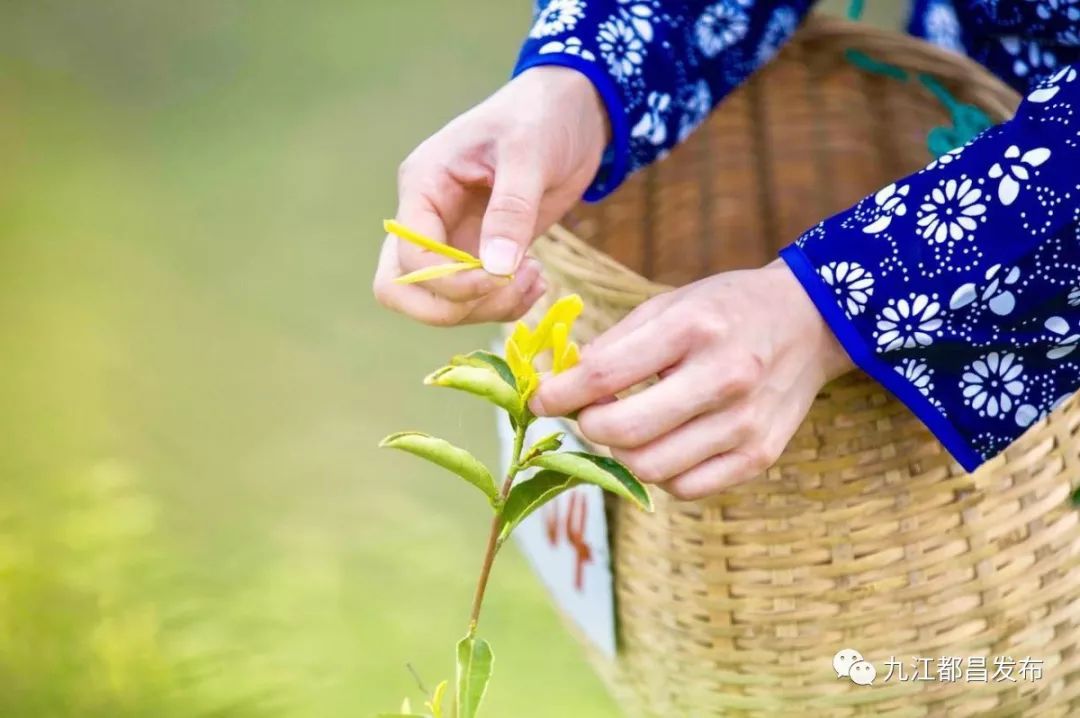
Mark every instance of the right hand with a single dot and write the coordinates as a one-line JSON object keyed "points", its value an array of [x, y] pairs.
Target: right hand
{"points": [[488, 183]]}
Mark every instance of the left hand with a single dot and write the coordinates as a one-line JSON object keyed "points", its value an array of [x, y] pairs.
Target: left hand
{"points": [[740, 356]]}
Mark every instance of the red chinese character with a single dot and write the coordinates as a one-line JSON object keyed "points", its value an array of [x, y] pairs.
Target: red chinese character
{"points": [[575, 533]]}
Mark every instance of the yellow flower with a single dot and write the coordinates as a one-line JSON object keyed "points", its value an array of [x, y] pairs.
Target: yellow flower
{"points": [[553, 332], [564, 311], [462, 259]]}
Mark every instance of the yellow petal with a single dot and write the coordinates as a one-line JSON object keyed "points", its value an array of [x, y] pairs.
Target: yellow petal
{"points": [[567, 359], [515, 360], [439, 270], [565, 310], [522, 336], [406, 706], [396, 228], [559, 336]]}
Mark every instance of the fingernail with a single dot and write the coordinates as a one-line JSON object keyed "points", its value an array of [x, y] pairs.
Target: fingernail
{"points": [[499, 255]]}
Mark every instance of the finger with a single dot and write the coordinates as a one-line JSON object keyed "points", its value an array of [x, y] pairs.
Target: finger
{"points": [[608, 370], [502, 304], [412, 300], [417, 212], [509, 225], [640, 314], [713, 476], [690, 390], [687, 446], [531, 297]]}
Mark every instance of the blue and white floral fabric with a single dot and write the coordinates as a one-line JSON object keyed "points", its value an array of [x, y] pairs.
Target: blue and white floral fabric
{"points": [[957, 288]]}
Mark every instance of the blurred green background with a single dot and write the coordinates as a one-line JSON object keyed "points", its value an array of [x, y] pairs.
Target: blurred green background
{"points": [[194, 520]]}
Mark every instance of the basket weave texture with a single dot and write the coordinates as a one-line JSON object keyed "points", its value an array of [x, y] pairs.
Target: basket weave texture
{"points": [[865, 534]]}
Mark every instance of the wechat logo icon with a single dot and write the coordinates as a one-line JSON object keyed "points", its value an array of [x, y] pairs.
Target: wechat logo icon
{"points": [[849, 663]]}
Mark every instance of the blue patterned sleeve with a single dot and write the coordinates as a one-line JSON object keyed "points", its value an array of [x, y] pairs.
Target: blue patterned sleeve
{"points": [[958, 288], [660, 66]]}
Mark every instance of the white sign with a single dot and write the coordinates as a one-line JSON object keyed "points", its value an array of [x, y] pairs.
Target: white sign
{"points": [[566, 542]]}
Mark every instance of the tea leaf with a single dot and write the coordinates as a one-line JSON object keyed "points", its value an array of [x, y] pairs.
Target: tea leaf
{"points": [[474, 665], [450, 457], [530, 495], [434, 272], [482, 381], [436, 702], [480, 358], [396, 228], [606, 473], [552, 442]]}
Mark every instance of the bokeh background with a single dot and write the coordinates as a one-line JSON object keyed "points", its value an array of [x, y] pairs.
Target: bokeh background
{"points": [[194, 520]]}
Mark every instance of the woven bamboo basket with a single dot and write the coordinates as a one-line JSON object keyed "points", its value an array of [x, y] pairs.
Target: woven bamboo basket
{"points": [[865, 534]]}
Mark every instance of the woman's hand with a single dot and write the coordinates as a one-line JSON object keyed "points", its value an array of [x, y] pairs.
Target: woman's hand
{"points": [[488, 183], [740, 356]]}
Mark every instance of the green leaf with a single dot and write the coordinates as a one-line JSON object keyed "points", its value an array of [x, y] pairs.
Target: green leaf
{"points": [[401, 715], [484, 382], [443, 453], [474, 664], [530, 495], [551, 442], [606, 473], [480, 358]]}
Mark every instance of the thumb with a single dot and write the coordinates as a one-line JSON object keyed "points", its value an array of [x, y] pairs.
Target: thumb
{"points": [[509, 224]]}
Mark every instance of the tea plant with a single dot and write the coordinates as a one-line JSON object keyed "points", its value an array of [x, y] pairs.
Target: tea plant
{"points": [[507, 382]]}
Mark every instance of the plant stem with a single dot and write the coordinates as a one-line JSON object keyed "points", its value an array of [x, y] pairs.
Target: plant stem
{"points": [[496, 528]]}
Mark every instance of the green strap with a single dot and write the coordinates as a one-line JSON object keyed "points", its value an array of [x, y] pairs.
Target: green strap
{"points": [[967, 120]]}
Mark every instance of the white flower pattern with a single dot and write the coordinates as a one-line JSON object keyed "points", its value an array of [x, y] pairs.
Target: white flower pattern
{"points": [[996, 295], [945, 159], [556, 17], [1064, 340], [991, 384], [640, 17], [720, 27], [1029, 58], [918, 374], [890, 203], [1049, 89], [852, 284], [572, 46], [908, 323], [951, 210], [652, 126], [621, 47], [1017, 169]]}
